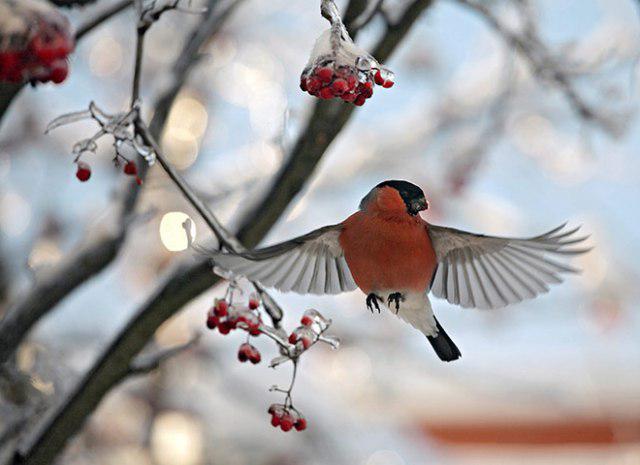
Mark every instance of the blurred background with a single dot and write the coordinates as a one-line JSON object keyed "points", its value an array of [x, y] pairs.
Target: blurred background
{"points": [[497, 146]]}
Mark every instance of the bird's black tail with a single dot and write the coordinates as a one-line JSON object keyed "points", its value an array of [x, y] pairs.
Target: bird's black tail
{"points": [[444, 346]]}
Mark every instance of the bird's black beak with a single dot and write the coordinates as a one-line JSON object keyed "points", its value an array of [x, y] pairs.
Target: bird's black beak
{"points": [[419, 205]]}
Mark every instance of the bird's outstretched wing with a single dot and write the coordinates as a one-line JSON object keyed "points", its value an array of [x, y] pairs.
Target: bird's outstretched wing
{"points": [[492, 272], [309, 264]]}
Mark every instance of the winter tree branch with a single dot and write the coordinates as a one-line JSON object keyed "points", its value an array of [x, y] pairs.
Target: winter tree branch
{"points": [[146, 363], [93, 257], [186, 281], [542, 63]]}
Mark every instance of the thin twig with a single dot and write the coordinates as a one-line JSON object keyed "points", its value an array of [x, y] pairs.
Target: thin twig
{"points": [[137, 68], [368, 15], [146, 363], [225, 238], [91, 24], [542, 63]]}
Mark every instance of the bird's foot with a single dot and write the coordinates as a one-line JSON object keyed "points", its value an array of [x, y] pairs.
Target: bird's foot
{"points": [[372, 301], [396, 298]]}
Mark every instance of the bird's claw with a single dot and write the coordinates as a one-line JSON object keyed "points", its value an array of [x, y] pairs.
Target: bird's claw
{"points": [[372, 301], [396, 298]]}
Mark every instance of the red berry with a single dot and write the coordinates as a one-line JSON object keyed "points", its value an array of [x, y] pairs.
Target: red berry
{"points": [[59, 73], [254, 330], [293, 338], [359, 101], [212, 321], [306, 320], [224, 327], [301, 424], [325, 74], [131, 168], [350, 97], [326, 93], [306, 342], [254, 303], [221, 308], [339, 86], [378, 78], [275, 420], [255, 356], [366, 89], [286, 422], [246, 352], [84, 171], [138, 180], [352, 82], [313, 85]]}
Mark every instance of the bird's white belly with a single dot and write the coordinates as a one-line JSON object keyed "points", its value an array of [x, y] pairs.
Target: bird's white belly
{"points": [[415, 310]]}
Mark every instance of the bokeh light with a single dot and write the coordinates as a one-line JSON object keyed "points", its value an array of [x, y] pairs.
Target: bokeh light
{"points": [[172, 233]]}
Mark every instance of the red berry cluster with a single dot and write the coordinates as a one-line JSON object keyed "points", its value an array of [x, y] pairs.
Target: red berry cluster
{"points": [[303, 336], [328, 80], [38, 50], [249, 352], [227, 318], [83, 172], [286, 418]]}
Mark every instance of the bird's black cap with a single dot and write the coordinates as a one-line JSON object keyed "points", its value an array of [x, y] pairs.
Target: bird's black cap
{"points": [[412, 195]]}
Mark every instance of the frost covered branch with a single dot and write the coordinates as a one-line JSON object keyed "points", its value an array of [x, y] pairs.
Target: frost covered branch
{"points": [[146, 363], [186, 281], [543, 64]]}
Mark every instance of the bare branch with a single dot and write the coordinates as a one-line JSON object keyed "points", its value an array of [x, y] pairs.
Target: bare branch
{"points": [[98, 254], [51, 289], [225, 238], [542, 63], [367, 16], [112, 11], [146, 363]]}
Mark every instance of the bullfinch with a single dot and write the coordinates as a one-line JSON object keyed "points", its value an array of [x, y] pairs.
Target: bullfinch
{"points": [[396, 258]]}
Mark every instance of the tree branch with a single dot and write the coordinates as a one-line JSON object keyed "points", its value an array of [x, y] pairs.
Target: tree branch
{"points": [[100, 18], [542, 63], [98, 254], [146, 363], [185, 281]]}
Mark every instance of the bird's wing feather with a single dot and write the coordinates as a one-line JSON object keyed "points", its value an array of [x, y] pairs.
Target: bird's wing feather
{"points": [[492, 272], [309, 264]]}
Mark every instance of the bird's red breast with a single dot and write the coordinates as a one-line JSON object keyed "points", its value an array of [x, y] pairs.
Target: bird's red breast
{"points": [[386, 248]]}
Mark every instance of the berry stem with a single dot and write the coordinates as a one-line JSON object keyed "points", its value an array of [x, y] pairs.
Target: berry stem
{"points": [[137, 70], [288, 401]]}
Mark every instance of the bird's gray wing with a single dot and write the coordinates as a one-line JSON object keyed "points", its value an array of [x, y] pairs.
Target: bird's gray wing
{"points": [[309, 264], [492, 272]]}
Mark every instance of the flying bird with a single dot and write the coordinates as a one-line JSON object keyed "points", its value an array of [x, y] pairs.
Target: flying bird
{"points": [[396, 258]]}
